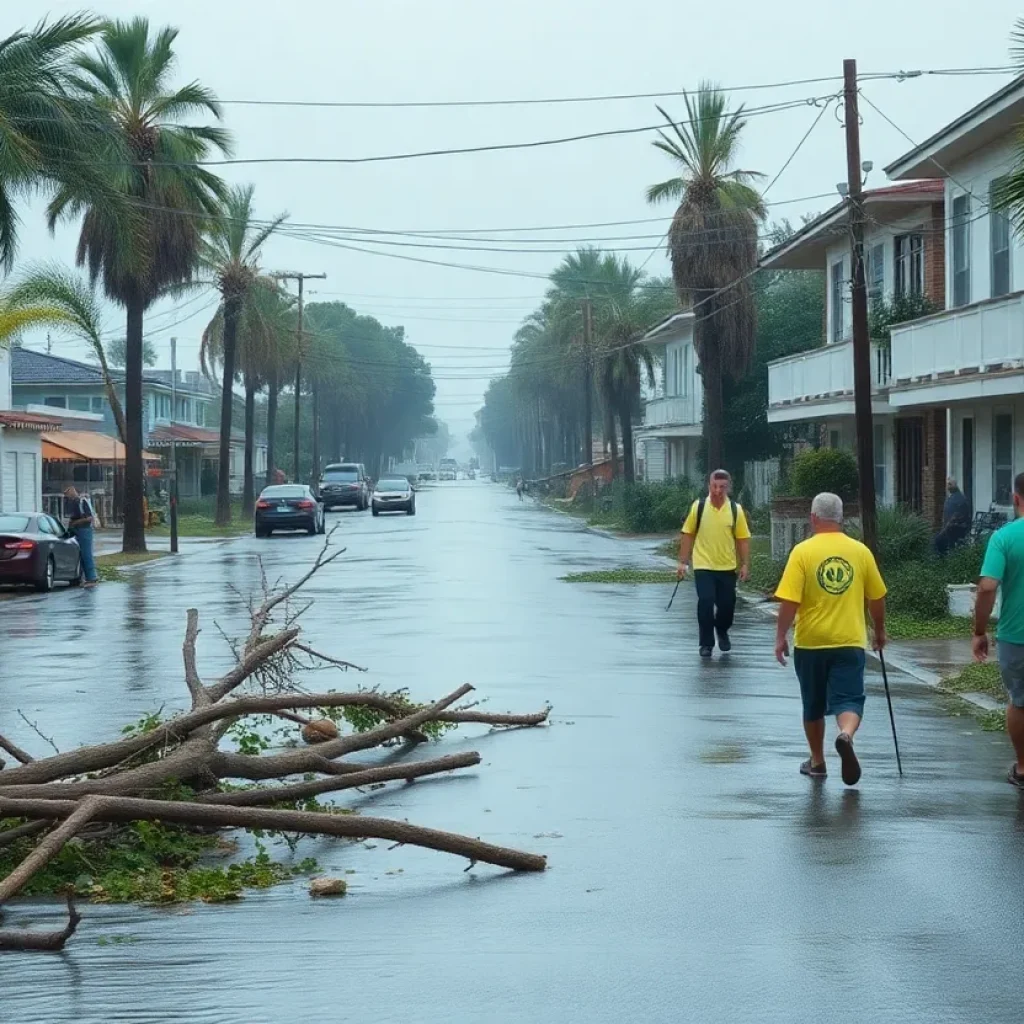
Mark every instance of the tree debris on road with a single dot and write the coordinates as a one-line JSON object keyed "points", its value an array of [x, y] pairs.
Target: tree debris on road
{"points": [[174, 771]]}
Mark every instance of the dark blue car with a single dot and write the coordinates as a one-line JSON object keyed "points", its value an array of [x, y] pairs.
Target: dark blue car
{"points": [[288, 507]]}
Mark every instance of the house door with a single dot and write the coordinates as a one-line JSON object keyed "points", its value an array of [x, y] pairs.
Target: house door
{"points": [[28, 485], [967, 459], [910, 462], [9, 488]]}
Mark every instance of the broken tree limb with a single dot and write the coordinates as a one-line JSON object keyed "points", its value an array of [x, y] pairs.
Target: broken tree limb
{"points": [[188, 655], [245, 766], [352, 780], [25, 831], [44, 942], [127, 809], [49, 846], [15, 751]]}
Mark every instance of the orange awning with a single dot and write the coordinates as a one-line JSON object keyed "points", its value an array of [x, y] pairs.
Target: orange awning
{"points": [[86, 446]]}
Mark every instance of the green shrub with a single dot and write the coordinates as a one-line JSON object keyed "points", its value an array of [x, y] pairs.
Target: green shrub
{"points": [[918, 589], [824, 469], [903, 536], [963, 565], [656, 507], [765, 573], [759, 519]]}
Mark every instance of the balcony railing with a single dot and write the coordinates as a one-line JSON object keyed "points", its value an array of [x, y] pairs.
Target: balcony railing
{"points": [[985, 336], [671, 411], [822, 373]]}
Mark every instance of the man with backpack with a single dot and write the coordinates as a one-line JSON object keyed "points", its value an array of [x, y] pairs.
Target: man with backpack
{"points": [[718, 537]]}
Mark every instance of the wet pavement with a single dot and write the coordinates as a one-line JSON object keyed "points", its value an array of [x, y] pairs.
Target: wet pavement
{"points": [[694, 875]]}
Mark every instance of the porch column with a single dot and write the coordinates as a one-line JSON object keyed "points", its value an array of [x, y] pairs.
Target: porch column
{"points": [[934, 472]]}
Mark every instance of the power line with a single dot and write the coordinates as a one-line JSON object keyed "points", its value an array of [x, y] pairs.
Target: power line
{"points": [[606, 98]]}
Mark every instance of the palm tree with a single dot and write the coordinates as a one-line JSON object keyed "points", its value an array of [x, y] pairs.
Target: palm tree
{"points": [[54, 287], [44, 128], [264, 345], [712, 243], [145, 239], [230, 253]]}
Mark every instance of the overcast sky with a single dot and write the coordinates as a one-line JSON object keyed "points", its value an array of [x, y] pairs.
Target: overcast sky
{"points": [[407, 50]]}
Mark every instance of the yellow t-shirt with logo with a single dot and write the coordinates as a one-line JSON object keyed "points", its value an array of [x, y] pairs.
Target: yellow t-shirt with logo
{"points": [[715, 543], [830, 575]]}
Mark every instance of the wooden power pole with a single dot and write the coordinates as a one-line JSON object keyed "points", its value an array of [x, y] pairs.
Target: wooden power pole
{"points": [[588, 382], [859, 305], [302, 278]]}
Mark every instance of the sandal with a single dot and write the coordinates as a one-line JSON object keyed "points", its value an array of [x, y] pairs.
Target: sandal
{"points": [[851, 766]]}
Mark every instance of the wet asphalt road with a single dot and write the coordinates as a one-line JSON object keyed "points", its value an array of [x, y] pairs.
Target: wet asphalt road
{"points": [[683, 885]]}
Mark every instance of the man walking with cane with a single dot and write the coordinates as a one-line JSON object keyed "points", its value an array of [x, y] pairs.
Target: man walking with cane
{"points": [[717, 535], [827, 579], [1003, 567]]}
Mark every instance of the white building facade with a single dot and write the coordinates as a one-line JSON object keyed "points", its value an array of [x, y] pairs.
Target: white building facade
{"points": [[968, 360], [904, 259], [669, 437]]}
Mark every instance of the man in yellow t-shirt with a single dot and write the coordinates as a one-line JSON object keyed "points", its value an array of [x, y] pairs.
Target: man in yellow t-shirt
{"points": [[717, 535], [826, 581]]}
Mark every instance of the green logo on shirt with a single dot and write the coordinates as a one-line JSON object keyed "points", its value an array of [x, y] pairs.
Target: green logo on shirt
{"points": [[835, 575]]}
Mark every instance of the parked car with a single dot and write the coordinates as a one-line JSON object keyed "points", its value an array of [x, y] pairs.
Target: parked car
{"points": [[449, 469], [394, 494], [36, 550], [288, 507], [344, 483]]}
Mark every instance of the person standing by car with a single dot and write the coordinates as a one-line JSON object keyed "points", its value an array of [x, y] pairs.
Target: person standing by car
{"points": [[717, 534], [827, 579], [80, 517], [1003, 568]]}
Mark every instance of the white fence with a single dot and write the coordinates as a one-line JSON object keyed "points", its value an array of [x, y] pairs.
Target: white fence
{"points": [[662, 412]]}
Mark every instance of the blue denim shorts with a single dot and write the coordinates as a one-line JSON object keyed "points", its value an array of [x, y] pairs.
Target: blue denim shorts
{"points": [[1011, 668], [831, 680]]}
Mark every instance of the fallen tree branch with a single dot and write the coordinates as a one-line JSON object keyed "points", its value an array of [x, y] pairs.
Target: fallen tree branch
{"points": [[195, 686], [29, 828], [127, 809], [351, 780], [15, 751], [49, 846], [45, 942]]}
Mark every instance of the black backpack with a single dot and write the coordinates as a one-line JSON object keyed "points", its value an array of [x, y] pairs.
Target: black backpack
{"points": [[700, 514]]}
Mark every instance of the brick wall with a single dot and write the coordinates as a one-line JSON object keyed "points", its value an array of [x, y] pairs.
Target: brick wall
{"points": [[934, 472], [935, 256]]}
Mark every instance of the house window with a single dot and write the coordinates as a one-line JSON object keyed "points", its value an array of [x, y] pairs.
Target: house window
{"points": [[961, 221], [999, 227], [876, 272], [80, 403], [1002, 458], [98, 404], [838, 281], [879, 456], [56, 402], [909, 270], [685, 389], [833, 439]]}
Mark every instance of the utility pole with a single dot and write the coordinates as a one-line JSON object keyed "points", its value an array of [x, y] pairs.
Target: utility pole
{"points": [[302, 278], [859, 304], [49, 344], [174, 454], [588, 383]]}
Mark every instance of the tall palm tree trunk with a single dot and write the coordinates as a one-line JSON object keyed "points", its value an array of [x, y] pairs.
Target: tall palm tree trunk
{"points": [[112, 396], [628, 462], [232, 308], [613, 441], [273, 389], [248, 483], [133, 538], [714, 406]]}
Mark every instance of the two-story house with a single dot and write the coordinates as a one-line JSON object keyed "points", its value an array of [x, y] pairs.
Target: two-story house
{"points": [[56, 386], [904, 256], [21, 471], [966, 363], [670, 435]]}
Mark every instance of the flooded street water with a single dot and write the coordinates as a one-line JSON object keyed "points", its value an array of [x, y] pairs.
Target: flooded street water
{"points": [[694, 874]]}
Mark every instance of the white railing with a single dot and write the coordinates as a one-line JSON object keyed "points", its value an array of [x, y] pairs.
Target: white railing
{"points": [[967, 340], [662, 412], [821, 373]]}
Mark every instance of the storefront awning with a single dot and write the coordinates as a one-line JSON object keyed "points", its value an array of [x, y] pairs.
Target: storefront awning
{"points": [[86, 446]]}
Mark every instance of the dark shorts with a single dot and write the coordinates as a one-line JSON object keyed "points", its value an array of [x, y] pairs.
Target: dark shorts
{"points": [[831, 680], [1011, 668]]}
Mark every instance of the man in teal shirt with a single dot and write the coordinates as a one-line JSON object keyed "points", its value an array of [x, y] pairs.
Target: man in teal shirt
{"points": [[1004, 567]]}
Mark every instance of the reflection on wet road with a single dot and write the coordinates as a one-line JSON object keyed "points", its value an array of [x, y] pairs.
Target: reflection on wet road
{"points": [[689, 880]]}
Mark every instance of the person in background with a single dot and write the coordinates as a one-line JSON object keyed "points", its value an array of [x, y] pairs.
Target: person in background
{"points": [[1003, 568], [80, 516], [956, 519], [827, 579], [717, 535], [520, 487]]}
